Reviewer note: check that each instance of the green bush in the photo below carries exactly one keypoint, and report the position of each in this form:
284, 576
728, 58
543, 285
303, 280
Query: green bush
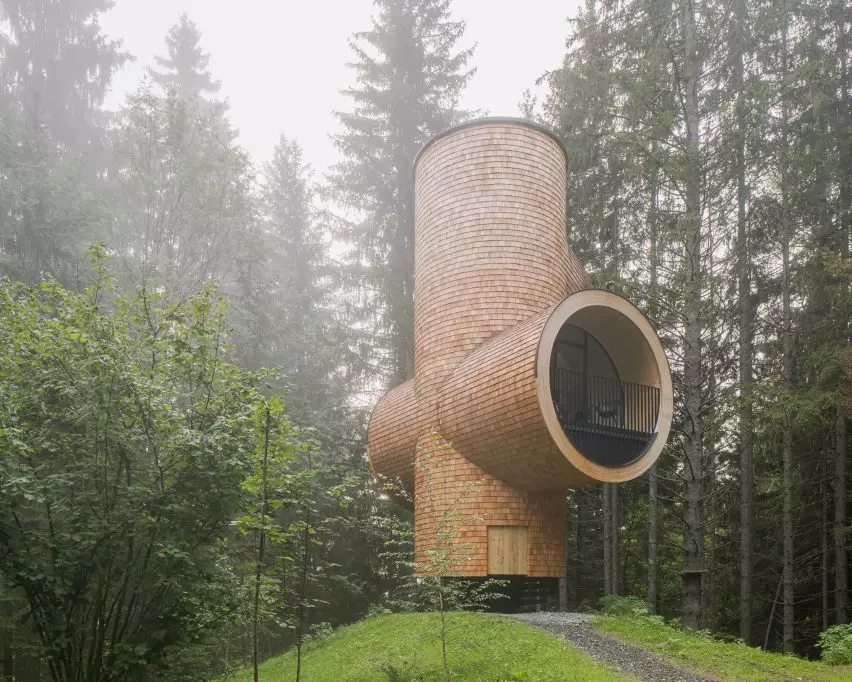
623, 606
836, 645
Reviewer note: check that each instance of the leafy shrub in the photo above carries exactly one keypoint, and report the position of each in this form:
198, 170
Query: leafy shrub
622, 606
320, 630
836, 645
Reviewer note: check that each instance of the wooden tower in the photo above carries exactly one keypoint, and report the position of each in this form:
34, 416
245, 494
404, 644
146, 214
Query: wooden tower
527, 381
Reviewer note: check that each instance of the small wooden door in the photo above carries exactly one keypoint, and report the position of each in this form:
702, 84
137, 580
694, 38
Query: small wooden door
507, 550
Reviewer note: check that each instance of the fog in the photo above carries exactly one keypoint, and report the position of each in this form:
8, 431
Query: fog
283, 63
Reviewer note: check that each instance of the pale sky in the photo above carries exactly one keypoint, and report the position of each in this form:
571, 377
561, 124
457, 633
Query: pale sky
282, 62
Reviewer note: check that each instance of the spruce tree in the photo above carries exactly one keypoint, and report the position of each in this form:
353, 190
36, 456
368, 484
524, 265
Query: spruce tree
287, 289
186, 68
409, 78
55, 68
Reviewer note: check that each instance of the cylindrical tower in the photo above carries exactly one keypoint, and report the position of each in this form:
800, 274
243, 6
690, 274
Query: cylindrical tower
527, 380
490, 244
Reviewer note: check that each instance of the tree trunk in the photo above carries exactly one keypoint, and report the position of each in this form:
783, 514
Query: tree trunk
772, 615
615, 572
787, 507
303, 588
787, 368
844, 141
574, 585
746, 323
824, 552
607, 539
693, 535
8, 664
710, 467
255, 659
653, 589
841, 562
653, 533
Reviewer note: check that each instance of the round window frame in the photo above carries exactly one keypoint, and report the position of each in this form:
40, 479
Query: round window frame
561, 315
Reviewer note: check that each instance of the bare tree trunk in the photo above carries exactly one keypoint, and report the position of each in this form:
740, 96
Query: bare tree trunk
844, 141
443, 634
568, 562
258, 574
653, 532
607, 538
615, 571
787, 507
841, 563
653, 589
574, 585
772, 614
693, 536
824, 552
710, 467
8, 664
303, 589
746, 322
710, 476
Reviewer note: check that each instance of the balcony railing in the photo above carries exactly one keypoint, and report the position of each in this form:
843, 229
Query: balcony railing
610, 421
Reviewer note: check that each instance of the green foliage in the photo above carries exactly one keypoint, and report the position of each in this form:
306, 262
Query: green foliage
127, 438
613, 605
184, 205
836, 645
399, 647
765, 169
702, 653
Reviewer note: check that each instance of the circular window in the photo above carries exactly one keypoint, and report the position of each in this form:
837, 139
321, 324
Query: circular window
610, 421
606, 393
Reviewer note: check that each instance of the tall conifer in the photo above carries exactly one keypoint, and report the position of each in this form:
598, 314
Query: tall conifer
186, 68
409, 76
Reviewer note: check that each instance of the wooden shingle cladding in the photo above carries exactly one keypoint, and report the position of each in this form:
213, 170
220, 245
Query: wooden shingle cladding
490, 411
395, 427
490, 243
475, 430
448, 484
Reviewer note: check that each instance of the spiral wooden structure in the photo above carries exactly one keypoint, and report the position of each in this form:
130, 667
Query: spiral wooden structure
527, 381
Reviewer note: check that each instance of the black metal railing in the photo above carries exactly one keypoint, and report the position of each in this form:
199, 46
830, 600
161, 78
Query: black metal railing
610, 421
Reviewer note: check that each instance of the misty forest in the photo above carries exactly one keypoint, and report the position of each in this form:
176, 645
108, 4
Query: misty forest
191, 342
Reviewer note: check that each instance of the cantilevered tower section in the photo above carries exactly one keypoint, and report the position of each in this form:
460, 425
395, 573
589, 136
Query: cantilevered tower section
527, 381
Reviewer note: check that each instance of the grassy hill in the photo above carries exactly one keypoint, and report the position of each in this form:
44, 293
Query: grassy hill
405, 647
721, 660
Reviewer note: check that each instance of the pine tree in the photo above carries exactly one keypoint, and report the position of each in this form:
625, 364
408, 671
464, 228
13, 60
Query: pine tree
287, 288
55, 67
409, 79
186, 68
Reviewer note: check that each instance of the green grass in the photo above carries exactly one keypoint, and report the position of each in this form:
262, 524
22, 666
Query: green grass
721, 660
405, 648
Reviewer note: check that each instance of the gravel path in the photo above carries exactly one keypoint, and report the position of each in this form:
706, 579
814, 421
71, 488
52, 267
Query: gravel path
575, 628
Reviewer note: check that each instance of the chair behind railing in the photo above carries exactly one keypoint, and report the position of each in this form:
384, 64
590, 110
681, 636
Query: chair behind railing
608, 420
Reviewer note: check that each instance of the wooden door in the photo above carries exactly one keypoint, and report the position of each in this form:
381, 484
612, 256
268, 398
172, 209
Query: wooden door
507, 550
